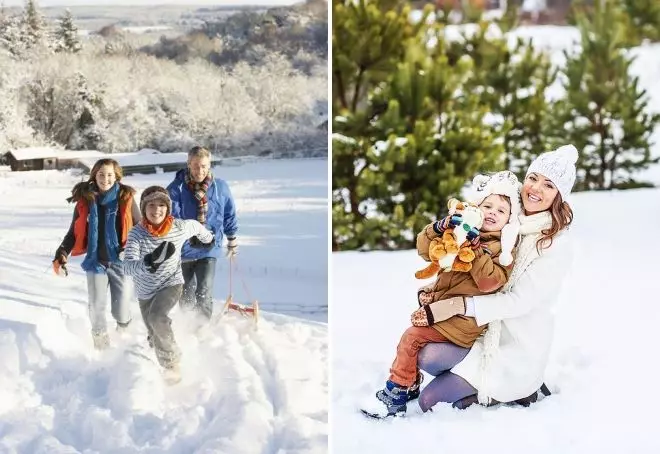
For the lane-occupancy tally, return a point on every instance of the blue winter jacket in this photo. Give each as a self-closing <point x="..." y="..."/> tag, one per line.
<point x="220" y="218"/>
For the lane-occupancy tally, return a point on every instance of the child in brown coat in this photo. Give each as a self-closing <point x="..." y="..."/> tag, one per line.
<point x="499" y="200"/>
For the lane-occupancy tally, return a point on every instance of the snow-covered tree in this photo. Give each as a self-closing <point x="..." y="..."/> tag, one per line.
<point x="33" y="26"/>
<point x="11" y="36"/>
<point x="66" y="36"/>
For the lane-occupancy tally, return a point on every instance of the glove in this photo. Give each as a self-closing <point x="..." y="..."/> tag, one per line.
<point x="155" y="259"/>
<point x="196" y="243"/>
<point x="438" y="311"/>
<point x="472" y="234"/>
<point x="59" y="263"/>
<point x="232" y="247"/>
<point x="447" y="222"/>
<point x="474" y="238"/>
<point x="424" y="296"/>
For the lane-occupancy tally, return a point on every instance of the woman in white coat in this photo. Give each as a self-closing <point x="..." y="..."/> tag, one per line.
<point x="508" y="362"/>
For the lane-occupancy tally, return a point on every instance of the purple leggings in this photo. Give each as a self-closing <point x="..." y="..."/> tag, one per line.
<point x="437" y="359"/>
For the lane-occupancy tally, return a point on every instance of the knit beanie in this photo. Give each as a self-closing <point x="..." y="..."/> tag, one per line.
<point x="501" y="183"/>
<point x="153" y="193"/>
<point x="559" y="167"/>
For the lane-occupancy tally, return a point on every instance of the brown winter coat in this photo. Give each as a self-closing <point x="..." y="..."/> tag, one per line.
<point x="486" y="276"/>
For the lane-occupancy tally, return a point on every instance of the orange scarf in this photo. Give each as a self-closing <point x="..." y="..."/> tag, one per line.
<point x="158" y="230"/>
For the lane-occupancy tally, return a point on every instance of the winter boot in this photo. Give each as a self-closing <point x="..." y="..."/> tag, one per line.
<point x="101" y="340"/>
<point x="391" y="402"/>
<point x="172" y="374"/>
<point x="468" y="401"/>
<point x="123" y="327"/>
<point x="413" y="391"/>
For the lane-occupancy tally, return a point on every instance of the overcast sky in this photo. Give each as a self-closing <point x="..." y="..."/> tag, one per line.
<point x="150" y="2"/>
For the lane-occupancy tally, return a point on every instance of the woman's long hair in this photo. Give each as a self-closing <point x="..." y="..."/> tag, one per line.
<point x="87" y="189"/>
<point x="562" y="216"/>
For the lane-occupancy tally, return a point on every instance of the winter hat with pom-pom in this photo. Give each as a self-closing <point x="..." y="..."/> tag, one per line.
<point x="559" y="167"/>
<point x="502" y="183"/>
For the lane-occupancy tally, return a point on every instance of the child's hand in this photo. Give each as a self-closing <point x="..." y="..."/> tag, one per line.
<point x="155" y="259"/>
<point x="420" y="317"/>
<point x="424" y="298"/>
<point x="473" y="234"/>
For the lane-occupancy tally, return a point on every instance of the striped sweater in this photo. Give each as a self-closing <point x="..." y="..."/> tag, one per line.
<point x="140" y="243"/>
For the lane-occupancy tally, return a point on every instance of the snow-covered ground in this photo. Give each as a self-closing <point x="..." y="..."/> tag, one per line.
<point x="244" y="391"/>
<point x="603" y="370"/>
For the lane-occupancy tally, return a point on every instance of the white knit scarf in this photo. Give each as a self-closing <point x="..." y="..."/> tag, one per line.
<point x="530" y="232"/>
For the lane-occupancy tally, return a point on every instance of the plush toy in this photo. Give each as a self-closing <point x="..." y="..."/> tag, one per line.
<point x="452" y="251"/>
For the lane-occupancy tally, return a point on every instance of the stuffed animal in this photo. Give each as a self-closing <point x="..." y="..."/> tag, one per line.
<point x="452" y="251"/>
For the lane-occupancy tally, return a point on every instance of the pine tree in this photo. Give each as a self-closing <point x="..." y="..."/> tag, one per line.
<point x="644" y="16"/>
<point x="33" y="26"/>
<point x="67" y="35"/>
<point x="605" y="111"/>
<point x="368" y="39"/>
<point x="512" y="79"/>
<point x="407" y="133"/>
<point x="12" y="37"/>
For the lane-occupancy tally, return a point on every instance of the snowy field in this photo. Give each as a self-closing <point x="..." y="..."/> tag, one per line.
<point x="603" y="370"/>
<point x="243" y="391"/>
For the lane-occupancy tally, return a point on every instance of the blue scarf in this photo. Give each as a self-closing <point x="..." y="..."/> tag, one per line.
<point x="110" y="200"/>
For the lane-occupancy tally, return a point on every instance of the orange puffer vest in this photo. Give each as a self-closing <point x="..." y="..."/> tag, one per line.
<point x="80" y="226"/>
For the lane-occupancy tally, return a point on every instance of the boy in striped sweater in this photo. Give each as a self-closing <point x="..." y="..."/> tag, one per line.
<point x="153" y="257"/>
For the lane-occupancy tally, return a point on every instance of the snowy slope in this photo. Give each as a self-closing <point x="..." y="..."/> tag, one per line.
<point x="244" y="391"/>
<point x="603" y="371"/>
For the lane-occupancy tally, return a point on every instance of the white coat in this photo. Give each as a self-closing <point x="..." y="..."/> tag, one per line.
<point x="509" y="361"/>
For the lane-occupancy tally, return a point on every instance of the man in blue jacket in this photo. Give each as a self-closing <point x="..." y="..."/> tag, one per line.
<point x="197" y="195"/>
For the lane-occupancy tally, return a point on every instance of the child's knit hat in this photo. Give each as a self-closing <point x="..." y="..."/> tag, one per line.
<point x="153" y="193"/>
<point x="502" y="183"/>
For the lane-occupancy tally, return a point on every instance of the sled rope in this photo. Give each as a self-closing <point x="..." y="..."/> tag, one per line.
<point x="230" y="304"/>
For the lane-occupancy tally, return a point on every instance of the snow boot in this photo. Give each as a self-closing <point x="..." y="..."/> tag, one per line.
<point x="413" y="391"/>
<point x="172" y="374"/>
<point x="101" y="340"/>
<point x="123" y="327"/>
<point x="391" y="402"/>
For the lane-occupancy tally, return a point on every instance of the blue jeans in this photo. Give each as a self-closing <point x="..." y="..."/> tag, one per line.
<point x="198" y="278"/>
<point x="97" y="291"/>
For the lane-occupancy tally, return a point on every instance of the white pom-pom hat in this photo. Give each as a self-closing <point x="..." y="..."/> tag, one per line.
<point x="502" y="183"/>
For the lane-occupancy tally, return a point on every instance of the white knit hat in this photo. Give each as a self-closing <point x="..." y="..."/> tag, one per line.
<point x="502" y="183"/>
<point x="558" y="166"/>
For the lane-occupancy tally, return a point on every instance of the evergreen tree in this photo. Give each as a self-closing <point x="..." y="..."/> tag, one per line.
<point x="67" y="35"/>
<point x="408" y="133"/>
<point x="368" y="40"/>
<point x="644" y="16"/>
<point x="11" y="36"/>
<point x="511" y="79"/>
<point x="605" y="111"/>
<point x="33" y="26"/>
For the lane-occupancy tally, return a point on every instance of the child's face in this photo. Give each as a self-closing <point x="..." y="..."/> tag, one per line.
<point x="497" y="211"/>
<point x="156" y="212"/>
<point x="105" y="177"/>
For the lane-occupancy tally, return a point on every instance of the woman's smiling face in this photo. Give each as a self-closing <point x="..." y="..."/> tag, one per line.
<point x="538" y="193"/>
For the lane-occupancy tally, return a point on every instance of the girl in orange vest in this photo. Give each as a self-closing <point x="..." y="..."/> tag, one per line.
<point x="105" y="211"/>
